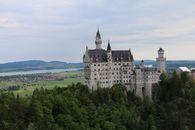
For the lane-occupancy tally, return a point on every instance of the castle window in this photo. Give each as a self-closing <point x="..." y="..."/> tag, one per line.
<point x="94" y="64"/>
<point x="94" y="69"/>
<point x="98" y="64"/>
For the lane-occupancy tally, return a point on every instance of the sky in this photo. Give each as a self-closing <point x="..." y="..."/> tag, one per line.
<point x="59" y="30"/>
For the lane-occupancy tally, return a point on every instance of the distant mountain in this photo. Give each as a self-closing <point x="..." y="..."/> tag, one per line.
<point x="147" y="62"/>
<point x="171" y="64"/>
<point x="37" y="65"/>
<point x="43" y="65"/>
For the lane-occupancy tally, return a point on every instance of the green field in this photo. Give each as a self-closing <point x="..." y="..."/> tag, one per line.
<point x="26" y="89"/>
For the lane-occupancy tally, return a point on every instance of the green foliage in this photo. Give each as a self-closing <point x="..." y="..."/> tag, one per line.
<point x="175" y="103"/>
<point x="76" y="108"/>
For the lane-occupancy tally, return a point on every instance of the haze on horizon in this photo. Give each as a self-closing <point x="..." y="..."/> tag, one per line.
<point x="60" y="30"/>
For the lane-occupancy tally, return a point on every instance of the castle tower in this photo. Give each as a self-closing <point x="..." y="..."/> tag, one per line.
<point x="98" y="40"/>
<point x="109" y="59"/>
<point x="86" y="58"/>
<point x="86" y="61"/>
<point x="161" y="61"/>
<point x="142" y="64"/>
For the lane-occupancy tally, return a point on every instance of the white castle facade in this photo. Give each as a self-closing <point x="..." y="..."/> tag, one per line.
<point x="104" y="68"/>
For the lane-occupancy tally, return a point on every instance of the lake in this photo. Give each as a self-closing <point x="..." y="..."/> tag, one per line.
<point x="38" y="72"/>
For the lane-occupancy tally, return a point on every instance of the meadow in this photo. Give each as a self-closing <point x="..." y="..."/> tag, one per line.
<point x="26" y="89"/>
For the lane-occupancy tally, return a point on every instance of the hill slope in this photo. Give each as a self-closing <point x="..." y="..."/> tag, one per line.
<point x="37" y="65"/>
<point x="43" y="65"/>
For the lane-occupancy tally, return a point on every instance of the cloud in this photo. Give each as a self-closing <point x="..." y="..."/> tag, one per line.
<point x="54" y="28"/>
<point x="6" y="22"/>
<point x="173" y="29"/>
<point x="162" y="31"/>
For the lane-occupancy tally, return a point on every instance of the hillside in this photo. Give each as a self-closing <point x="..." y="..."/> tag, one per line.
<point x="43" y="65"/>
<point x="37" y="65"/>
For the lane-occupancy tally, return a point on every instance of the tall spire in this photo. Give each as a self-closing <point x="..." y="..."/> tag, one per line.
<point x="98" y="40"/>
<point x="108" y="47"/>
<point x="86" y="48"/>
<point x="98" y="34"/>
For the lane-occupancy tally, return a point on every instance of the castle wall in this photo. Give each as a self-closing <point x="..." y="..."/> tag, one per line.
<point x="116" y="72"/>
<point x="144" y="81"/>
<point x="139" y="82"/>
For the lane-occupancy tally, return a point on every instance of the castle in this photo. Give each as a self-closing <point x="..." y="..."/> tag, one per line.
<point x="104" y="68"/>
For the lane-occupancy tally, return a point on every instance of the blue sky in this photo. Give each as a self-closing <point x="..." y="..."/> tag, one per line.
<point x="60" y="29"/>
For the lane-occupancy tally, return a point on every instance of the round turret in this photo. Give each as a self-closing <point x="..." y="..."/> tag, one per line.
<point x="161" y="53"/>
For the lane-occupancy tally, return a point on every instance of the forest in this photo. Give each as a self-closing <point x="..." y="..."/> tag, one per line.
<point x="76" y="108"/>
